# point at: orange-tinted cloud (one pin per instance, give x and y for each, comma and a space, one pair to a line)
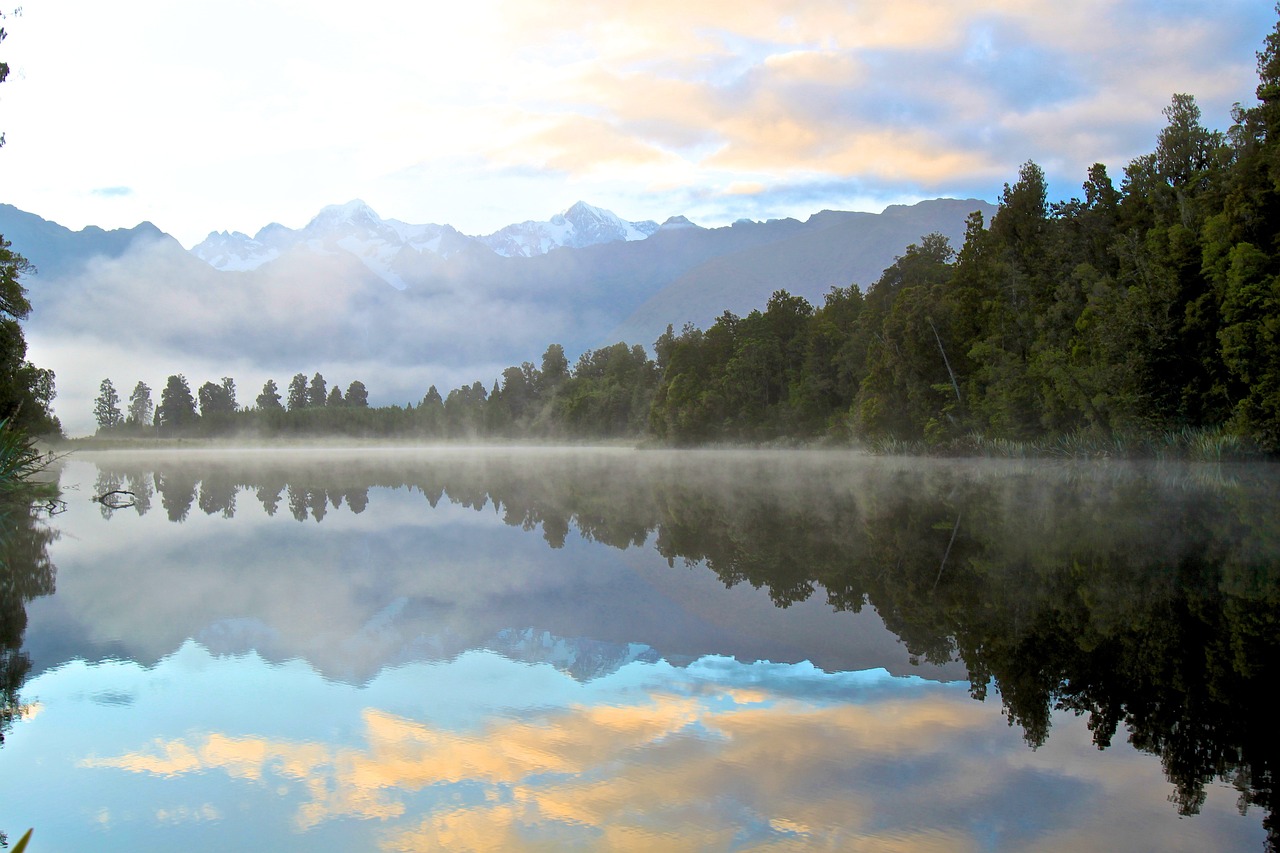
911, 94
635, 776
578, 144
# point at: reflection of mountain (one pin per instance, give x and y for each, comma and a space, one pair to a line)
581, 657
1143, 597
384, 639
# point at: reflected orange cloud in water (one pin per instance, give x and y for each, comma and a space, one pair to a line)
675, 772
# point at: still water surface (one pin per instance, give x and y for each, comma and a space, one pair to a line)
632, 650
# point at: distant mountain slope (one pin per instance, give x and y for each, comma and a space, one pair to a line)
57, 251
831, 249
601, 284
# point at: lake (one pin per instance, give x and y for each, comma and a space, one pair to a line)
616, 649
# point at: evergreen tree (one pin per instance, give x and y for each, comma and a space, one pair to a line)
215, 400
317, 394
177, 409
229, 390
106, 408
357, 395
297, 398
430, 412
141, 408
269, 399
555, 369
516, 393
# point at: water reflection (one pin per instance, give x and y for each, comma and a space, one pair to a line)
483, 753
1138, 596
26, 572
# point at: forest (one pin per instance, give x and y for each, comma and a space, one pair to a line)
1145, 315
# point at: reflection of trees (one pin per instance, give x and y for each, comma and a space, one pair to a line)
107, 482
177, 490
1135, 604
215, 488
139, 483
1147, 598
25, 573
218, 496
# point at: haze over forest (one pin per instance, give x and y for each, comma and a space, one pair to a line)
402, 318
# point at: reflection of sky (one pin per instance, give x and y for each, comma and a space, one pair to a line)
484, 753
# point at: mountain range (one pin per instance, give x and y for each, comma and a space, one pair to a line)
355, 228
687, 274
404, 306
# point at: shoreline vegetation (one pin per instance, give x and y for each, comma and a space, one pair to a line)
22, 461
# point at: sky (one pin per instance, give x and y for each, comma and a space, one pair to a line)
203, 116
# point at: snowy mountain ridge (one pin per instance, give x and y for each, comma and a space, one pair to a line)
355, 228
579, 226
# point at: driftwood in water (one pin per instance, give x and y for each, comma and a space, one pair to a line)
107, 499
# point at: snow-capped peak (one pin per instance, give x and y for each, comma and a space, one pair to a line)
353, 228
354, 213
233, 251
579, 225
675, 223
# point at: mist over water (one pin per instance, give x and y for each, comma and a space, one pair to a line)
390, 647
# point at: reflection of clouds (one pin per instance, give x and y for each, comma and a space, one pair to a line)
484, 753
188, 814
689, 770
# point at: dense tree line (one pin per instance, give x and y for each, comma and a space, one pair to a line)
1138, 313
213, 409
605, 394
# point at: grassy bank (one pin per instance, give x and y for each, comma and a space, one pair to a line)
22, 461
